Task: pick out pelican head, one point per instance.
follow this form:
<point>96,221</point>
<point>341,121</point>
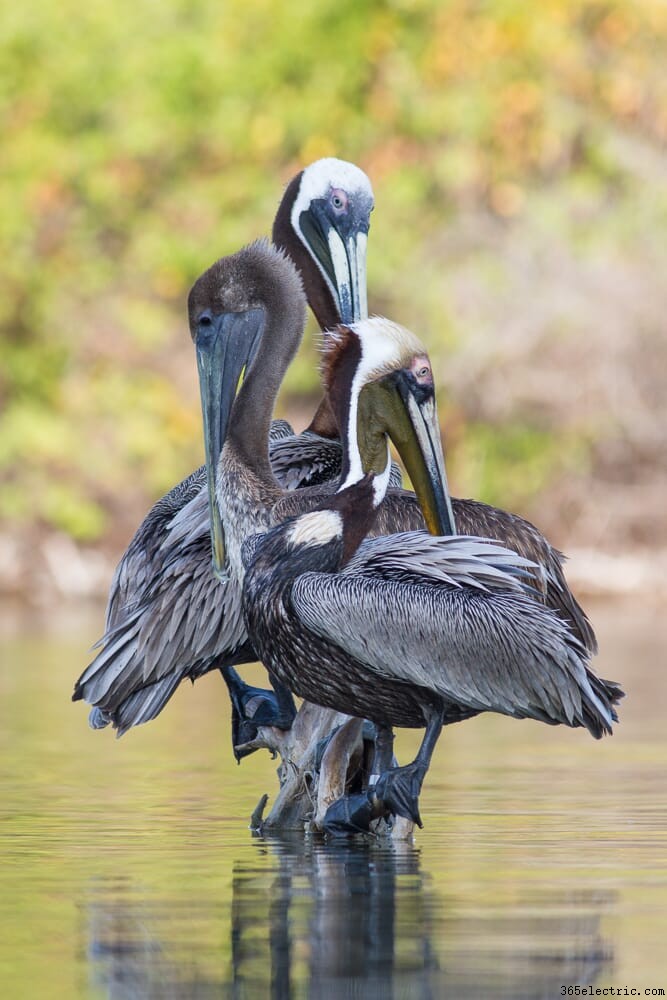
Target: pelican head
<point>381,385</point>
<point>229,307</point>
<point>327,207</point>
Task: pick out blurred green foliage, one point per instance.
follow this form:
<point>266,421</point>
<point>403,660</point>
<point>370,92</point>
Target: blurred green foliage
<point>143,140</point>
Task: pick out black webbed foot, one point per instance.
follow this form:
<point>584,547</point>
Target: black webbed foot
<point>398,789</point>
<point>244,732</point>
<point>349,814</point>
<point>253,707</point>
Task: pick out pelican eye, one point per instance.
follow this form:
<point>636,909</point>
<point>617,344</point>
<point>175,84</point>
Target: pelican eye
<point>205,319</point>
<point>420,369</point>
<point>339,200</point>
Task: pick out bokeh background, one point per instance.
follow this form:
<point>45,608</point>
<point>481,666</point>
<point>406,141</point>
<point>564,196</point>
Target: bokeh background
<point>517,153</point>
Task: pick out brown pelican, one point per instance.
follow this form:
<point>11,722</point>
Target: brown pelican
<point>405,630</point>
<point>253,297</point>
<point>161,593</point>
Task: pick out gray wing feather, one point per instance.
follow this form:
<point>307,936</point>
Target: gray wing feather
<point>143,554</point>
<point>187,621</point>
<point>145,704</point>
<point>279,430</point>
<point>497,651</point>
<point>167,617</point>
<point>476,518</point>
<point>177,519</point>
<point>307,459</point>
<point>481,563</point>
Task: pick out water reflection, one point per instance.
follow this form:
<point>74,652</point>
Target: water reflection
<point>336,920</point>
<point>366,922</point>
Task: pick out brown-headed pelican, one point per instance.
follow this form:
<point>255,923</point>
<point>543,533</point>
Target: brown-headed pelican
<point>165,618</point>
<point>406,630</point>
<point>253,298</point>
<point>249,308</point>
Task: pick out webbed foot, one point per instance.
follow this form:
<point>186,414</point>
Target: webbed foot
<point>398,789</point>
<point>349,814</point>
<point>254,707</point>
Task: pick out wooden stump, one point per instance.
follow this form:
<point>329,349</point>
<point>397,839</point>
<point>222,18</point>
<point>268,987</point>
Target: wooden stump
<point>322,757</point>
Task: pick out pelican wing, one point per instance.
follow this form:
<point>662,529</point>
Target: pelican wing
<point>185,622</point>
<point>143,555</point>
<point>173,521</point>
<point>456,629</point>
<point>417,556</point>
<point>476,518</point>
<point>400,511</point>
<point>168,617</point>
<point>307,459</point>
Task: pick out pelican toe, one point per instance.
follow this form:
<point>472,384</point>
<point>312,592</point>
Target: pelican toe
<point>399,788</point>
<point>347,815</point>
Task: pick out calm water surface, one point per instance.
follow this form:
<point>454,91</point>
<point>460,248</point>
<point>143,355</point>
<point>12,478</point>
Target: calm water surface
<point>128,870</point>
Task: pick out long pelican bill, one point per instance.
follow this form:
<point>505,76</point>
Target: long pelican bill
<point>398,406</point>
<point>356,257</point>
<point>225,345</point>
<point>340,250</point>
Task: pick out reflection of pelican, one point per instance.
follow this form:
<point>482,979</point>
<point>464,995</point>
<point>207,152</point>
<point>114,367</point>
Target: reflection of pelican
<point>166,615</point>
<point>363,917</point>
<point>339,920</point>
<point>410,630</point>
<point>364,920</point>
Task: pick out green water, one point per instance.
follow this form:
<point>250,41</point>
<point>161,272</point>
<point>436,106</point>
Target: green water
<point>128,870</point>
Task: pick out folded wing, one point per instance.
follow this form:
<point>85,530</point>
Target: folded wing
<point>454,615</point>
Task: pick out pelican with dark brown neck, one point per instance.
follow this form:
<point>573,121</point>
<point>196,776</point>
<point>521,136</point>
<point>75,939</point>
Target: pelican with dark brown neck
<point>150,644</point>
<point>250,302</point>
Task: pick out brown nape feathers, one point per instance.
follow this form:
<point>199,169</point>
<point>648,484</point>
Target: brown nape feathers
<point>260,276</point>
